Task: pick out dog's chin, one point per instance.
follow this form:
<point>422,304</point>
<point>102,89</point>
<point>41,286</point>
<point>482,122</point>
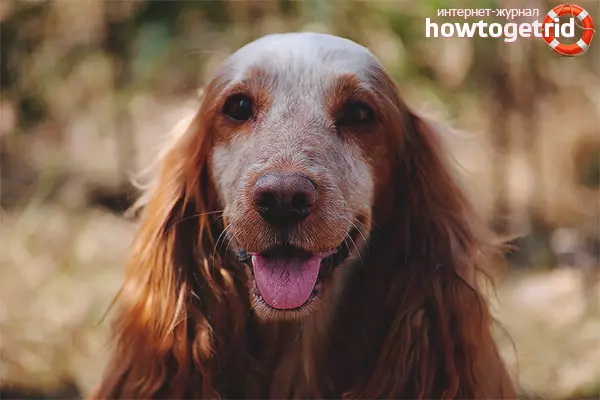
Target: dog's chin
<point>289,284</point>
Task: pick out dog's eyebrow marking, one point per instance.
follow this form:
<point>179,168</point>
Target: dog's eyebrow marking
<point>350,84</point>
<point>344,88</point>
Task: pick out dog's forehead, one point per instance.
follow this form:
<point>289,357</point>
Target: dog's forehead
<point>301,57</point>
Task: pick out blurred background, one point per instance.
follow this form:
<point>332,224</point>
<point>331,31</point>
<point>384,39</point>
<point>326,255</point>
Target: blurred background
<point>90,88</point>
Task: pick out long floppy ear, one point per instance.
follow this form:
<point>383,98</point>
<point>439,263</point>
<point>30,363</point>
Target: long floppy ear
<point>177,297</point>
<point>440,342</point>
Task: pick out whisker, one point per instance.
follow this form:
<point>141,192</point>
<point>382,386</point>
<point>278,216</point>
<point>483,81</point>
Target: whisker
<point>193,216</point>
<point>363,214</point>
<point>229,242</point>
<point>221,236</point>
<point>357,250</point>
<point>359,231</point>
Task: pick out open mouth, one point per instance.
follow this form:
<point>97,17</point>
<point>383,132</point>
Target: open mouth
<point>289,278</point>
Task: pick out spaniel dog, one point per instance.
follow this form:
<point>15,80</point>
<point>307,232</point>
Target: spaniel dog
<point>304,237</point>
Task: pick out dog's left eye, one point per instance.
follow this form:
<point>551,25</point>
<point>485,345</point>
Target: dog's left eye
<point>238,107</point>
<point>355,113</point>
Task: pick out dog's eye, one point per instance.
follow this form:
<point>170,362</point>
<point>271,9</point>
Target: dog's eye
<point>238,107</point>
<point>355,113</point>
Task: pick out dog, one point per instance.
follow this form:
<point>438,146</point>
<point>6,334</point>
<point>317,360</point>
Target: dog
<point>305,237</point>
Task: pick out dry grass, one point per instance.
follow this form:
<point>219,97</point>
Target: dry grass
<point>59,274</point>
<point>554,324</point>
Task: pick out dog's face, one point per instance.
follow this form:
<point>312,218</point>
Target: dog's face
<point>297,162</point>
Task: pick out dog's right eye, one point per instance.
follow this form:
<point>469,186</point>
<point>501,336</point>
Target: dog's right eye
<point>356,113</point>
<point>238,107</point>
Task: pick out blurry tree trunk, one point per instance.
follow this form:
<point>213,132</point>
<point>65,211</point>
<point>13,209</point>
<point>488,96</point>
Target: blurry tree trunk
<point>514,82</point>
<point>502,101</point>
<point>120,30</point>
<point>530,84</point>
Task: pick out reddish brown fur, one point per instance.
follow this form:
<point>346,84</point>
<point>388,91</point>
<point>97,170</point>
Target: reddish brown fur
<point>411,322</point>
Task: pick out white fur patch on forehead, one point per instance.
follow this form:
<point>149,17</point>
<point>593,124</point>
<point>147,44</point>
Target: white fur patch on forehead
<point>307,52</point>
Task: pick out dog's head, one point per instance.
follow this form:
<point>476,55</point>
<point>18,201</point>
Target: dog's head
<point>301,150</point>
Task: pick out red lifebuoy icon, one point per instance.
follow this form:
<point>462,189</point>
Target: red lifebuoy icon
<point>588,30</point>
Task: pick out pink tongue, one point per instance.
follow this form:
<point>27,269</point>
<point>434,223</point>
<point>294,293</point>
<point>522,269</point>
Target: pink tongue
<point>286,283</point>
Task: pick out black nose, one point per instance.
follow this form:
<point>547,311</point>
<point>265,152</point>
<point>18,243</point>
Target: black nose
<point>284,198</point>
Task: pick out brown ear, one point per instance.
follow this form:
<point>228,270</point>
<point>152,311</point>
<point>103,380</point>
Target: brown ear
<point>176,298</point>
<point>440,343</point>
